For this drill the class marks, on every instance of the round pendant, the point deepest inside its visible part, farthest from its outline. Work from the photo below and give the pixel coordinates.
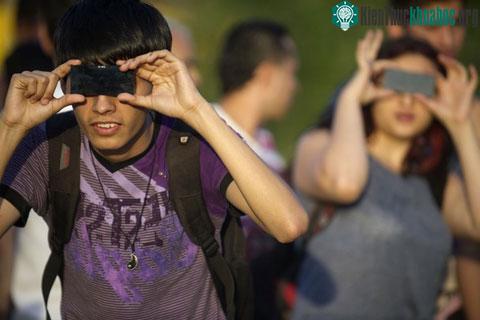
(133, 263)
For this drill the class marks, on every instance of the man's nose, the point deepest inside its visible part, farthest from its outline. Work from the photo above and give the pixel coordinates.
(103, 104)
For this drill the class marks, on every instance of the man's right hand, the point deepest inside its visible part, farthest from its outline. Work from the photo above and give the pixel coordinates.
(30, 100)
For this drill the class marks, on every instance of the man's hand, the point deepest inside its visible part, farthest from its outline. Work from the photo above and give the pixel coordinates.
(30, 100)
(174, 93)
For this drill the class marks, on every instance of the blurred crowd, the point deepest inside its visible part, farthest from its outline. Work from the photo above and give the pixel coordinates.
(389, 177)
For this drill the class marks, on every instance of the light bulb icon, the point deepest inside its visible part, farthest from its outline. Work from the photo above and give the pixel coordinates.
(345, 15)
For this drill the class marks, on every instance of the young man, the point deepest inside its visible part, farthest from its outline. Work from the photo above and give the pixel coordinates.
(183, 47)
(257, 69)
(128, 256)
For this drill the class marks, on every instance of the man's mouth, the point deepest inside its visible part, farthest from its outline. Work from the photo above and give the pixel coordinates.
(106, 128)
(106, 125)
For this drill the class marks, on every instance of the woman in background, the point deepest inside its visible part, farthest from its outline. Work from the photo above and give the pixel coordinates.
(382, 160)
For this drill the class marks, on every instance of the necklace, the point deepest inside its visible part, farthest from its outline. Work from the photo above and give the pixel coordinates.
(133, 262)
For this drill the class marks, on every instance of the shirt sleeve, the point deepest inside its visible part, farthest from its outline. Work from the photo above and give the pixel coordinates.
(25, 180)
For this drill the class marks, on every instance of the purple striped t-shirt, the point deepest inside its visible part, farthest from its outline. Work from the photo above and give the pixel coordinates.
(172, 280)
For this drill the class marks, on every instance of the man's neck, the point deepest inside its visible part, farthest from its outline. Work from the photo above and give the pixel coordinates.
(136, 146)
(244, 107)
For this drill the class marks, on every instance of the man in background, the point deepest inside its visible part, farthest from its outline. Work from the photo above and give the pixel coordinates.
(183, 47)
(257, 69)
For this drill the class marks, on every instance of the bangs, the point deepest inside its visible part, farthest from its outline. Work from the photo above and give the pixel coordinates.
(102, 32)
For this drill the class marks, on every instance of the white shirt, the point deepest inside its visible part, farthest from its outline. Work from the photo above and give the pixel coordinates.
(262, 144)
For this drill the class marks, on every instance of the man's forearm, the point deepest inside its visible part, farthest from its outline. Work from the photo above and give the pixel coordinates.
(272, 202)
(9, 140)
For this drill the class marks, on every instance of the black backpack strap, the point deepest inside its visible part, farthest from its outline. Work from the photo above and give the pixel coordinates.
(183, 161)
(64, 189)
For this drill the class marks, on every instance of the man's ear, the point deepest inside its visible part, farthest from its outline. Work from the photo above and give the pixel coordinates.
(264, 73)
(396, 31)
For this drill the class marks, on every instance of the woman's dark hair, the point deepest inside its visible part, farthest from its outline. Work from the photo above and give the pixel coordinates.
(429, 153)
(247, 45)
(103, 31)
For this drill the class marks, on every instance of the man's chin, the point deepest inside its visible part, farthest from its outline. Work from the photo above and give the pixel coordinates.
(107, 146)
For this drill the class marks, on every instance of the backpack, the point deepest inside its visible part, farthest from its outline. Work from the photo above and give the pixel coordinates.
(227, 265)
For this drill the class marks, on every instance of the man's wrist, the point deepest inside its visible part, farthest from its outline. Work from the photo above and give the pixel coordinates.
(11, 134)
(201, 116)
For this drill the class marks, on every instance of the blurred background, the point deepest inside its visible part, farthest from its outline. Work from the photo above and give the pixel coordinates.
(326, 52)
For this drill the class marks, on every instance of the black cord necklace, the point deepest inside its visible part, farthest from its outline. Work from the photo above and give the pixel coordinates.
(133, 263)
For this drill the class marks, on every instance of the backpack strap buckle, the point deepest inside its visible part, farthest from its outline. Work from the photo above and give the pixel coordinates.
(210, 247)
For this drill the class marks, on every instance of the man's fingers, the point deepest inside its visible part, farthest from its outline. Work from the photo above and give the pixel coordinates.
(150, 57)
(52, 85)
(145, 74)
(139, 101)
(31, 86)
(41, 84)
(64, 69)
(66, 100)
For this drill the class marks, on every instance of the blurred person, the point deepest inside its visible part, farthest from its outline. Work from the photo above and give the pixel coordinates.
(163, 273)
(26, 54)
(380, 160)
(257, 70)
(29, 246)
(449, 40)
(183, 47)
(27, 51)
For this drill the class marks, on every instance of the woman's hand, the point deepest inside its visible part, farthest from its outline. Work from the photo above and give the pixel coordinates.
(361, 87)
(174, 93)
(455, 97)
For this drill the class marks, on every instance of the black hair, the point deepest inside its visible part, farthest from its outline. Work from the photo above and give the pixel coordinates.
(103, 31)
(429, 153)
(407, 3)
(248, 44)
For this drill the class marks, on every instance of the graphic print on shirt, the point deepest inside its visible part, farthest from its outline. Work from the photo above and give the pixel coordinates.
(105, 228)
